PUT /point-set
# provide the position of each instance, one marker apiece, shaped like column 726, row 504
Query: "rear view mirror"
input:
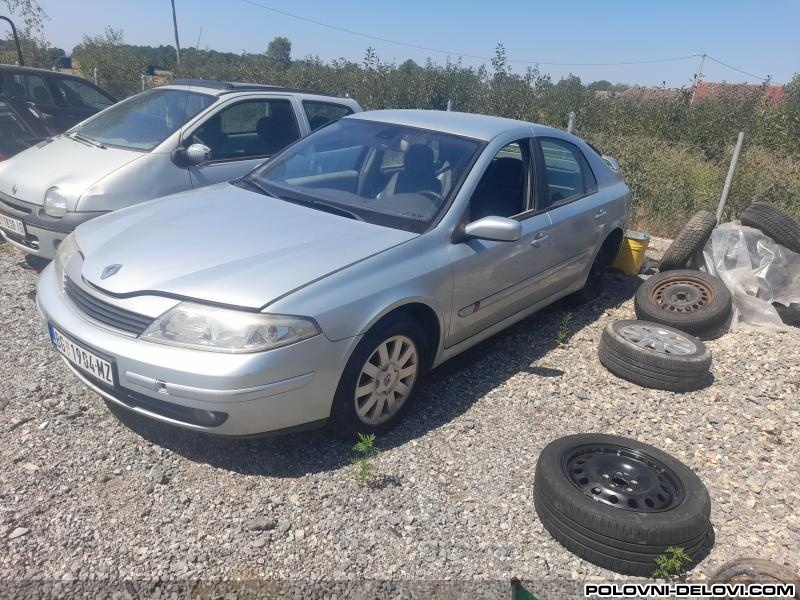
column 498, row 229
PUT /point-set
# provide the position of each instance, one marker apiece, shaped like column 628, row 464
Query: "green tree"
column 119, row 66
column 279, row 52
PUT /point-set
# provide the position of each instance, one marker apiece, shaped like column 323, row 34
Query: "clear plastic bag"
column 757, row 271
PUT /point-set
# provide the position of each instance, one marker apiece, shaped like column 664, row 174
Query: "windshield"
column 143, row 121
column 386, row 174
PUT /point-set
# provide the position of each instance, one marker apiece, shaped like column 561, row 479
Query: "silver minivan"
column 185, row 135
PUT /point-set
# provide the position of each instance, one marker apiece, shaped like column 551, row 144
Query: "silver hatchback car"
column 324, row 285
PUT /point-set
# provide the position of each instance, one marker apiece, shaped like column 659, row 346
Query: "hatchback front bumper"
column 251, row 393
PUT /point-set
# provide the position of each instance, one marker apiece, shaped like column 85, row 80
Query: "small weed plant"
column 563, row 329
column 672, row 564
column 366, row 470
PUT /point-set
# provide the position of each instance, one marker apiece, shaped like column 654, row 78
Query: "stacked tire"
column 619, row 503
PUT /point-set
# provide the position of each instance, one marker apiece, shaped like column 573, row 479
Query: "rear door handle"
column 538, row 239
column 600, row 214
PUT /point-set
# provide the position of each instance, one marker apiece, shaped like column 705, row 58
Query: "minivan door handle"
column 600, row 214
column 538, row 239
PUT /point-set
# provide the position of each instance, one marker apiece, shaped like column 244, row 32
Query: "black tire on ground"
column 790, row 315
column 344, row 419
column 655, row 356
column 774, row 222
column 598, row 511
column 692, row 301
column 689, row 242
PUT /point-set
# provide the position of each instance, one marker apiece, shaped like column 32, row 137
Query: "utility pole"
column 697, row 77
column 175, row 27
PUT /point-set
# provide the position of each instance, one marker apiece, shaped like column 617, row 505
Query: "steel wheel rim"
column 623, row 478
column 682, row 295
column 658, row 339
column 386, row 380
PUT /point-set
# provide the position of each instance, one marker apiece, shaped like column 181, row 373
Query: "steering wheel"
column 435, row 197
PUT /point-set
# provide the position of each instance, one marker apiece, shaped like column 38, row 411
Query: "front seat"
column 500, row 192
column 418, row 174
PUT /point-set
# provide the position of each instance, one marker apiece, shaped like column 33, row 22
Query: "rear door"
column 577, row 210
column 241, row 135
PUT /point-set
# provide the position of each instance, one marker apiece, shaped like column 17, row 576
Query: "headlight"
column 223, row 330
column 66, row 250
column 55, row 203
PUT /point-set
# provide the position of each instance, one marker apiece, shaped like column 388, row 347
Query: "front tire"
column 381, row 378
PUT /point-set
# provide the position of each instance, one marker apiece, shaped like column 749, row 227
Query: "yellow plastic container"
column 632, row 252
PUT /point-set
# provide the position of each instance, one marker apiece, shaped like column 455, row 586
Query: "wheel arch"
column 422, row 312
column 611, row 245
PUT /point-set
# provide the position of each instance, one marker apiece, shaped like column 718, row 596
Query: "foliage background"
column 674, row 154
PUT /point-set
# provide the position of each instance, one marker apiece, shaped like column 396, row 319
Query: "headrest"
column 506, row 172
column 418, row 158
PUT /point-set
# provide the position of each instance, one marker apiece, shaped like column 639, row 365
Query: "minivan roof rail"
column 236, row 86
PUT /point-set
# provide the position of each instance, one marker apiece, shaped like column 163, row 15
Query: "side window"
column 30, row 88
column 80, row 95
column 568, row 173
column 322, row 113
column 248, row 129
column 502, row 191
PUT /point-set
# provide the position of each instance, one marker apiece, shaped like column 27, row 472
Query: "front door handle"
column 600, row 214
column 538, row 239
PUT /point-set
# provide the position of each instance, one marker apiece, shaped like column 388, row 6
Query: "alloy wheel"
column 386, row 380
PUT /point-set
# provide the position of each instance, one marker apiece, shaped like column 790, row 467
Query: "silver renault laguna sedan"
column 324, row 285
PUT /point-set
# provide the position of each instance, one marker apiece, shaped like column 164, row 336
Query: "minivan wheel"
column 381, row 378
column 619, row 503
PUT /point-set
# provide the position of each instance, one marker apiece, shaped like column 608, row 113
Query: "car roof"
column 37, row 71
column 480, row 127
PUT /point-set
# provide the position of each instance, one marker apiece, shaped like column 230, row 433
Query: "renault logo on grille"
column 109, row 271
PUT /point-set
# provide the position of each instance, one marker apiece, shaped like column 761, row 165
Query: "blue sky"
column 758, row 37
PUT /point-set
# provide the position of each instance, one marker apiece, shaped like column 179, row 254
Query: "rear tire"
column 689, row 242
column 654, row 356
column 692, row 301
column 367, row 369
column 775, row 223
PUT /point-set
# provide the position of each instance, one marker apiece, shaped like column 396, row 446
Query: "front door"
column 241, row 136
column 494, row 280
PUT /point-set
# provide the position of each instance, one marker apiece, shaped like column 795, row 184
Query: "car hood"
column 226, row 245
column 61, row 161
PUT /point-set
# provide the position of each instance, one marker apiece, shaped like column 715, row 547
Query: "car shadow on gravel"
column 450, row 391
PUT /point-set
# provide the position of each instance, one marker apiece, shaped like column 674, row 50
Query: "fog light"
column 209, row 418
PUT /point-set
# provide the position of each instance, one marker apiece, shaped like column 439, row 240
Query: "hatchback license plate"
column 13, row 225
column 82, row 358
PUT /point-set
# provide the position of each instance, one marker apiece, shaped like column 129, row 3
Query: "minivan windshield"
column 382, row 173
column 143, row 121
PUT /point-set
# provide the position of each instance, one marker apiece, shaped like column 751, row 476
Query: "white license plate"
column 12, row 225
column 82, row 358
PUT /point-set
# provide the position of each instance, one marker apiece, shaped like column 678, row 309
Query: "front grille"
column 106, row 313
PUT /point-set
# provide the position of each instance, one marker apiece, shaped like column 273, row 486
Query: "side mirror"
column 498, row 229
column 198, row 154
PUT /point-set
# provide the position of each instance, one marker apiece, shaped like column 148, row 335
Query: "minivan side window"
column 79, row 95
column 568, row 174
column 248, row 129
column 322, row 113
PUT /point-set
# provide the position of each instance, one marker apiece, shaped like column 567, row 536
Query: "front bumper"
column 44, row 233
column 280, row 389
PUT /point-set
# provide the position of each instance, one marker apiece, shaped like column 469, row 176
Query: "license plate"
column 82, row 358
column 12, row 225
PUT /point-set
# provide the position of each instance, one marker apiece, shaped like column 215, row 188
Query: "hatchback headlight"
column 55, row 203
column 66, row 250
column 224, row 330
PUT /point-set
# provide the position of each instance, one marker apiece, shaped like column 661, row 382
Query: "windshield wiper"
column 316, row 204
column 85, row 138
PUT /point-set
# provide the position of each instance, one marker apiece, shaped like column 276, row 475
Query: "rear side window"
column 11, row 126
column 29, row 88
column 568, row 174
column 322, row 113
column 79, row 95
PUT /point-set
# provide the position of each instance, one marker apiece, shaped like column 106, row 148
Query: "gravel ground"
column 91, row 500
